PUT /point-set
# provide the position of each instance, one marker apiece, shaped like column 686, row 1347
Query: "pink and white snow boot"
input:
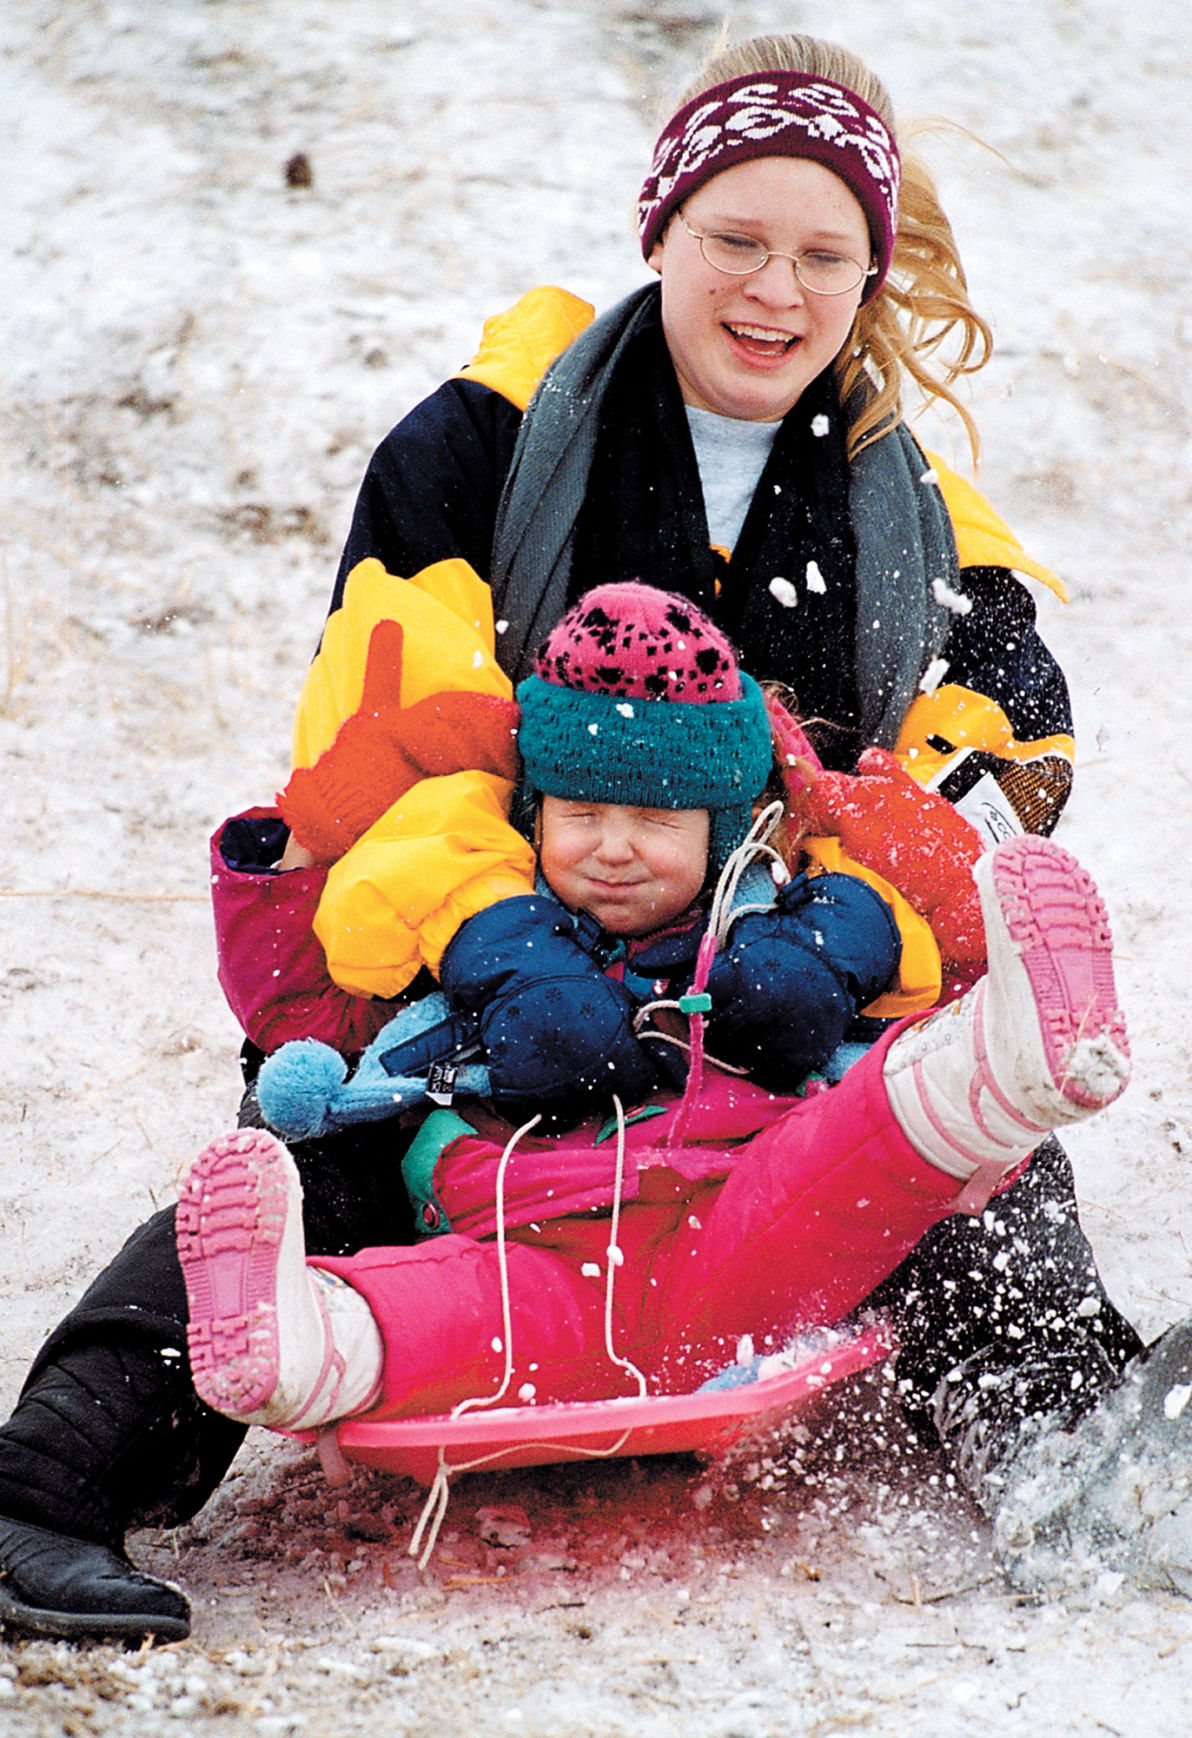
column 272, row 1341
column 1038, row 1043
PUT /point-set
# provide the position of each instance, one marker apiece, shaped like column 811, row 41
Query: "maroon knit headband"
column 777, row 114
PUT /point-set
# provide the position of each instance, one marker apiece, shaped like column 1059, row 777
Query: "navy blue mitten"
column 788, row 982
column 557, row 1034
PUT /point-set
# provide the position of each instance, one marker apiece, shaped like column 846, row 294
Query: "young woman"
column 734, row 431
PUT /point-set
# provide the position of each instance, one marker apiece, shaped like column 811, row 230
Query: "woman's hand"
column 916, row 839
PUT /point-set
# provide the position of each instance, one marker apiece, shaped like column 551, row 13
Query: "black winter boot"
column 105, row 1437
column 51, row 1584
column 989, row 1410
column 1108, row 1503
column 107, row 1434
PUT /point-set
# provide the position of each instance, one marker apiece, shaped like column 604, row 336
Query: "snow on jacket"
column 424, row 520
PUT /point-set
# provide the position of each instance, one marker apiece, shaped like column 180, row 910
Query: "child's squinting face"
column 633, row 869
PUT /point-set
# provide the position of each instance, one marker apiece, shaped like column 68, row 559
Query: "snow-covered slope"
column 197, row 360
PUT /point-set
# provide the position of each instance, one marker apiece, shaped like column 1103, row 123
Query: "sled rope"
column 615, row 1258
column 434, row 1509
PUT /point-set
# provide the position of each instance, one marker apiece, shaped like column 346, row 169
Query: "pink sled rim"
column 708, row 1422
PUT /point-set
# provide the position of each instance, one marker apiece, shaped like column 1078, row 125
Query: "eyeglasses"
column 819, row 270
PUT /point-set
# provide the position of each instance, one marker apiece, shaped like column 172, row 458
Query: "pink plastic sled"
column 708, row 1422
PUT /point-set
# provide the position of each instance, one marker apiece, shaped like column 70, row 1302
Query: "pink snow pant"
column 816, row 1210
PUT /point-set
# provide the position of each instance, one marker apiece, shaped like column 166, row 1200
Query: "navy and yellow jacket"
column 418, row 549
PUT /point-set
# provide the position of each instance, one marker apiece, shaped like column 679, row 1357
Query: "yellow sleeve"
column 938, row 726
column 448, row 647
column 919, row 973
column 443, row 852
column 983, row 539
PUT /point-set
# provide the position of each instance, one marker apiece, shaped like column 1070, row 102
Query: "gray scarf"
column 903, row 534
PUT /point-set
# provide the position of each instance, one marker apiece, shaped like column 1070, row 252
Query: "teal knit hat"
column 637, row 699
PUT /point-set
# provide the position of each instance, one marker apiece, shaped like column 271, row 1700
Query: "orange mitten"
column 384, row 748
column 888, row 823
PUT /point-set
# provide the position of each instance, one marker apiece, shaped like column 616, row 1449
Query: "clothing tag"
column 440, row 1082
column 977, row 796
column 988, row 808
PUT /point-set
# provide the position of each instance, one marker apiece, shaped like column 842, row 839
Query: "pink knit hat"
column 631, row 640
column 637, row 698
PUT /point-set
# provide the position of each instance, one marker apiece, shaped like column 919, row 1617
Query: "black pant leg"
column 1020, row 1279
column 108, row 1432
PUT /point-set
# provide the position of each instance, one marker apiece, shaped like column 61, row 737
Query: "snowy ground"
column 197, row 361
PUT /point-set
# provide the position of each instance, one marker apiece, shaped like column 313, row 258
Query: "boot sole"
column 232, row 1214
column 127, row 1626
column 1058, row 927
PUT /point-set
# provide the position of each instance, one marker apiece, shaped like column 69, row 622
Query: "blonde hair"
column 921, row 322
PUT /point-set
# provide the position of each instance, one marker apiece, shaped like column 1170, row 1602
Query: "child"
column 637, row 713
column 736, row 1211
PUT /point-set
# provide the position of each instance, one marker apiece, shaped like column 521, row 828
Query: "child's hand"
column 915, row 838
column 788, row 983
column 557, row 1034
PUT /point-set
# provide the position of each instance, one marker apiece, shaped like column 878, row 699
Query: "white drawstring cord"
column 697, row 1002
column 434, row 1509
column 754, row 846
column 722, row 915
column 437, row 1497
column 657, row 1037
column 615, row 1258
